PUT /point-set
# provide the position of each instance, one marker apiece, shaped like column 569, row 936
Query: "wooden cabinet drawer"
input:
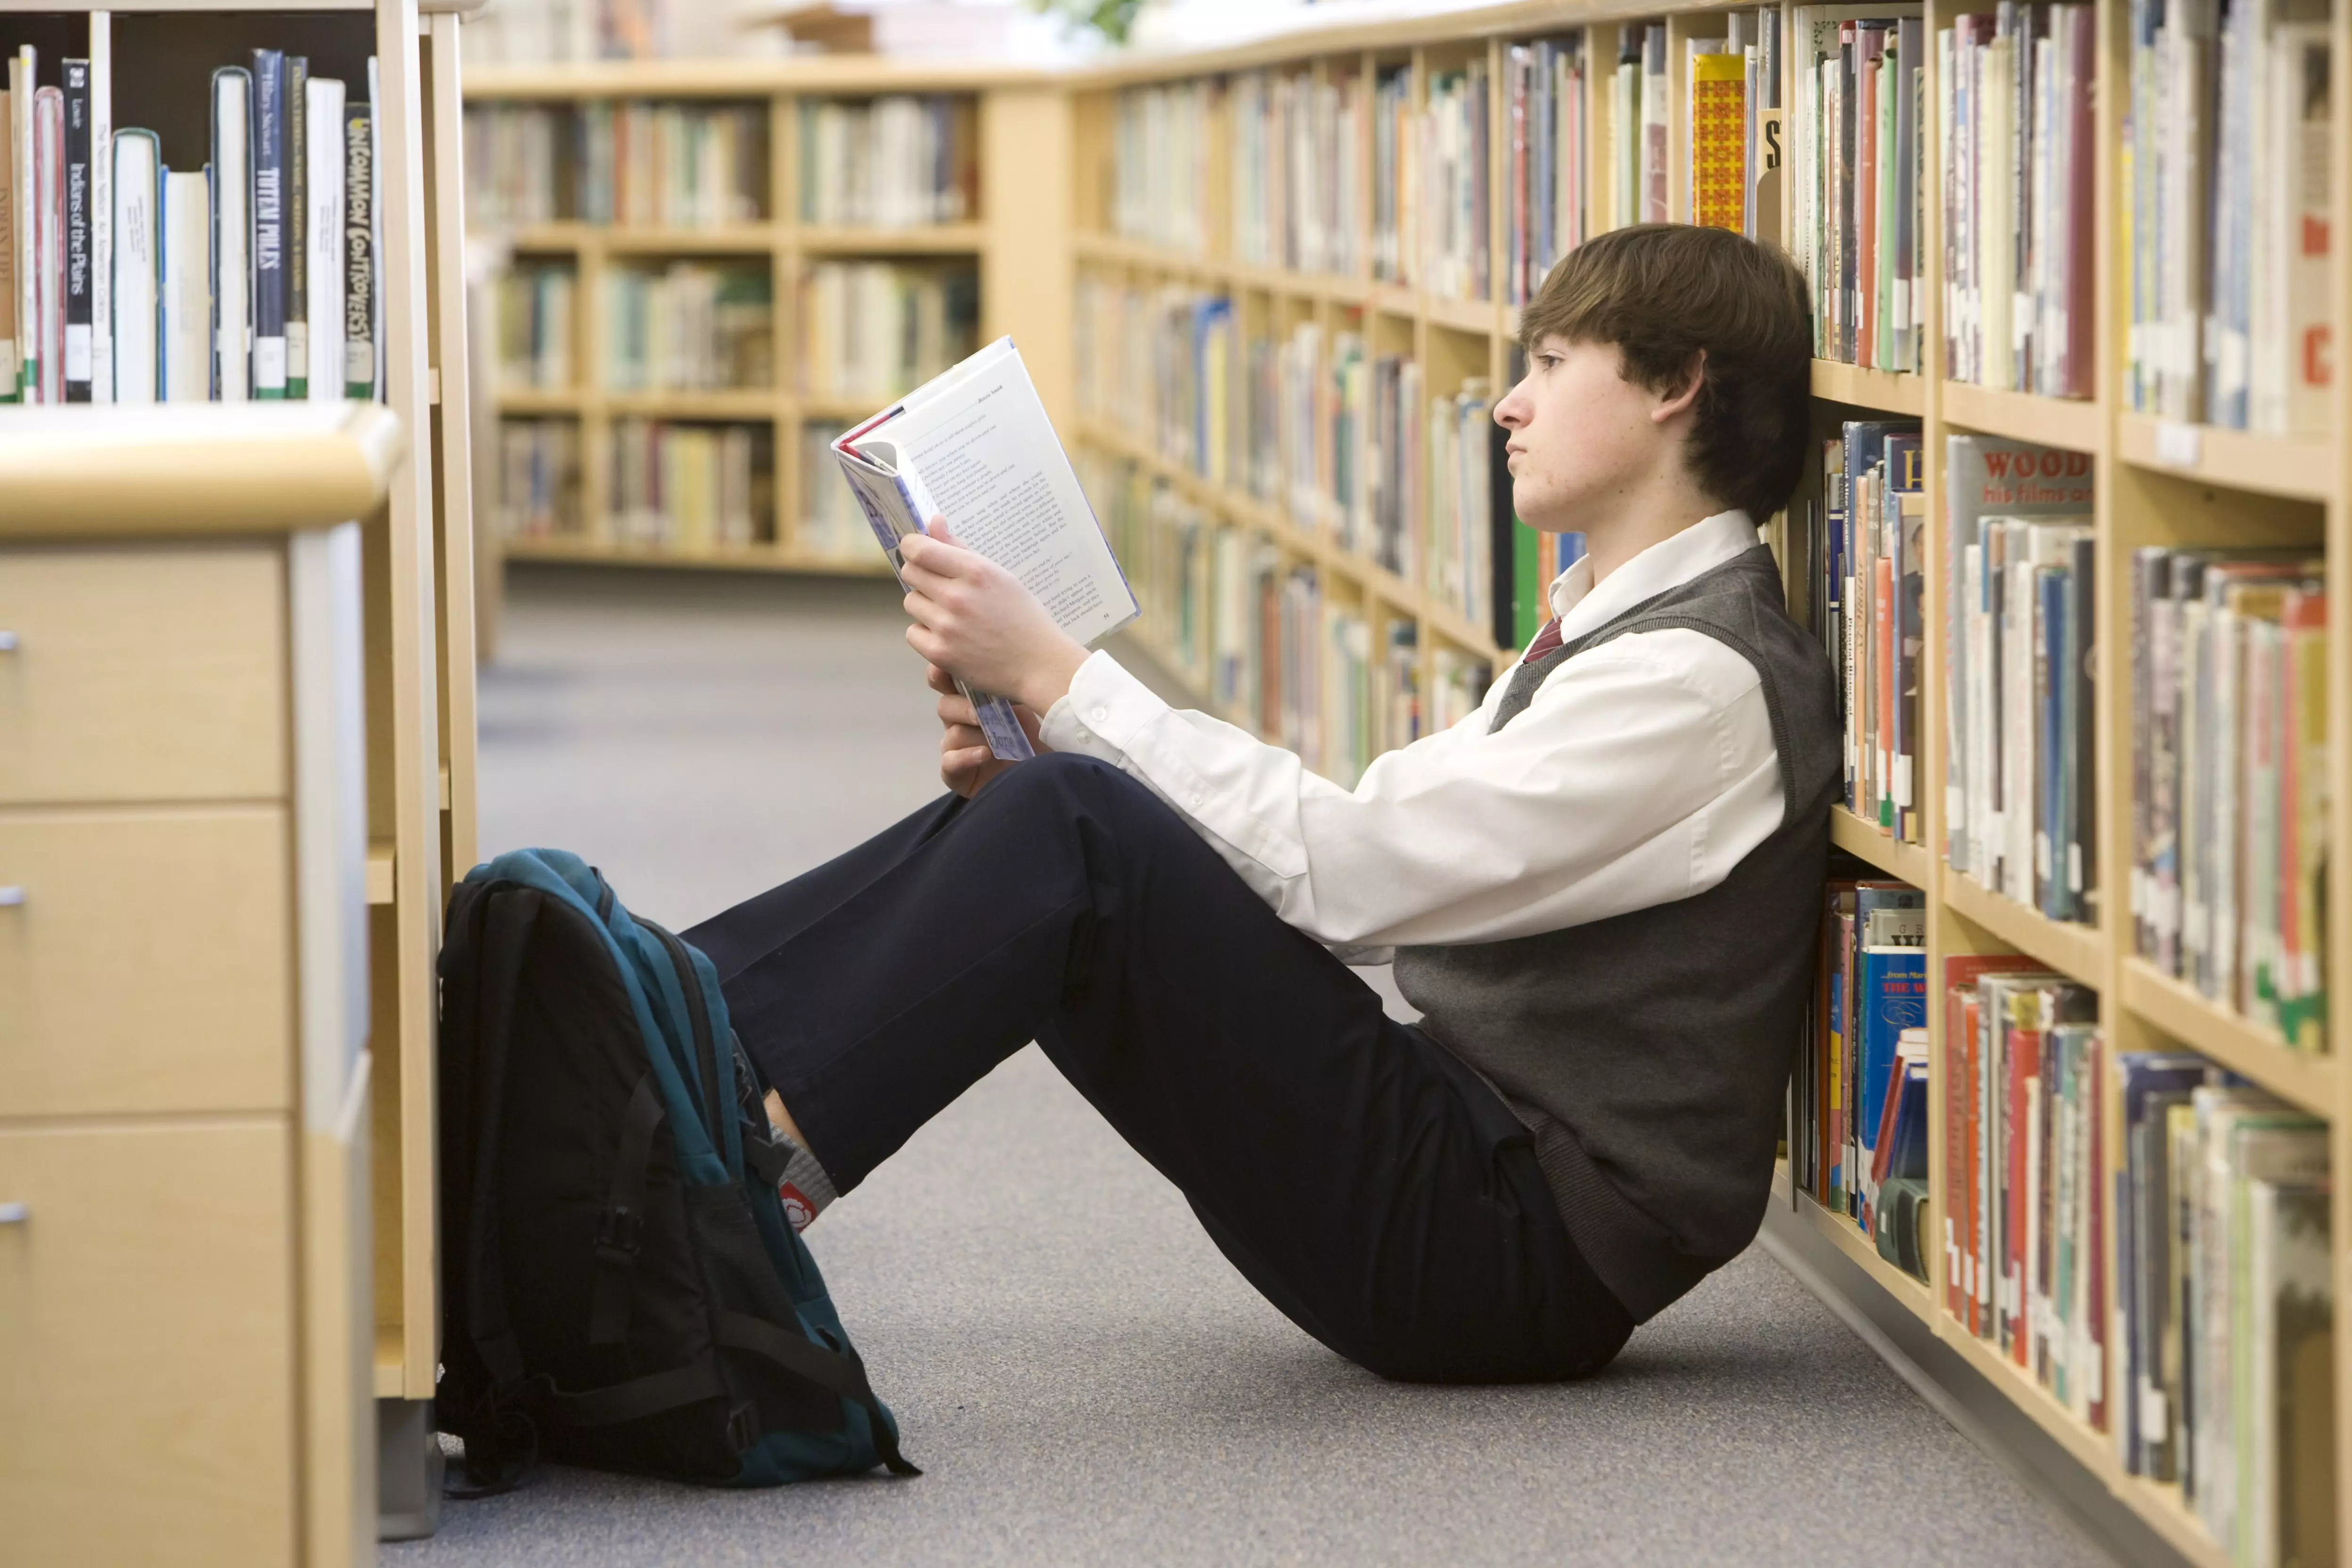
column 147, row 967
column 142, row 674
column 147, row 1346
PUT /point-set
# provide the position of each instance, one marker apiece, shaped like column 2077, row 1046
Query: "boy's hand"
column 973, row 618
column 965, row 761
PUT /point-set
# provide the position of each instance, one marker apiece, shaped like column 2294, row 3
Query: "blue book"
column 2054, row 703
column 1893, row 996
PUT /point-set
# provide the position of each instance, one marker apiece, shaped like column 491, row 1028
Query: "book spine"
column 101, row 206
column 77, row 271
column 22, row 94
column 137, row 250
column 359, row 252
column 11, row 375
column 294, row 114
column 269, row 152
column 49, row 259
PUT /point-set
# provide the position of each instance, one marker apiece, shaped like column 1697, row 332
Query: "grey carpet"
column 1082, row 1377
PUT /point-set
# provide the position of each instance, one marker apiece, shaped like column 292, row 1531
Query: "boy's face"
column 1582, row 437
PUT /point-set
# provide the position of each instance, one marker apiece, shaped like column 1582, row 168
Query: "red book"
column 1968, row 1288
column 2082, row 290
column 2024, row 1052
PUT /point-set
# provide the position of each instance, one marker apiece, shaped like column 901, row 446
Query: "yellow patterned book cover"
column 1719, row 140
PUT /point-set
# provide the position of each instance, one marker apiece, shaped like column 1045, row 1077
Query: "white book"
column 973, row 445
column 323, row 154
column 232, row 279
column 133, row 361
column 185, row 349
column 101, row 207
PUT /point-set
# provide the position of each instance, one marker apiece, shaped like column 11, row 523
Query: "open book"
column 973, row 445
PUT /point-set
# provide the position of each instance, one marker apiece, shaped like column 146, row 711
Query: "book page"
column 978, row 446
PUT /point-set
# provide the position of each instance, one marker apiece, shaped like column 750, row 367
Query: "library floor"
column 1082, row 1377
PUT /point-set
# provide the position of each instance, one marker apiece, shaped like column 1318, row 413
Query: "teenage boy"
column 1599, row 888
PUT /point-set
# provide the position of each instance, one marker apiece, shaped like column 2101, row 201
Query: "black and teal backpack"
column 620, row 1286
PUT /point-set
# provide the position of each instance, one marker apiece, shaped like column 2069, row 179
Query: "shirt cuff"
column 1104, row 710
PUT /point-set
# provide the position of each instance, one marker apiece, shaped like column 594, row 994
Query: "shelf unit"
column 2157, row 484
column 1016, row 243
column 417, row 553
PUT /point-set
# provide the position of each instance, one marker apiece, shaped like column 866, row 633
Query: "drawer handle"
column 8, row 642
column 11, row 896
column 16, row 1213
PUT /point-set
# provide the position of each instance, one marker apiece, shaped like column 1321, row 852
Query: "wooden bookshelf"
column 416, row 565
column 1018, row 241
column 2155, row 485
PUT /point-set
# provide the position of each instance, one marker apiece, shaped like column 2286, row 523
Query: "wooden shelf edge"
column 382, row 855
column 924, row 238
column 2078, row 951
column 2308, row 1081
column 602, row 553
column 1864, row 841
column 1858, row 386
column 1986, row 1397
column 1847, row 1237
column 2300, row 468
column 2077, row 423
column 390, row 1362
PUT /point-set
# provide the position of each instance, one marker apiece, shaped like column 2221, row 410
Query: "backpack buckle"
column 618, row 1230
column 742, row 1428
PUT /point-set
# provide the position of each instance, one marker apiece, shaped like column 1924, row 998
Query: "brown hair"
column 1664, row 293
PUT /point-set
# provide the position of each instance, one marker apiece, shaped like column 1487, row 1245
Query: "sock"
column 804, row 1188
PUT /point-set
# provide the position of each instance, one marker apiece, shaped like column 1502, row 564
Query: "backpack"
column 620, row 1285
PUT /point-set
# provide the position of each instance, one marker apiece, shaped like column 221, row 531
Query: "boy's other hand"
column 973, row 618
column 965, row 761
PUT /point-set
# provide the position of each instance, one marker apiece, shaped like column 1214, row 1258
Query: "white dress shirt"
column 1641, row 772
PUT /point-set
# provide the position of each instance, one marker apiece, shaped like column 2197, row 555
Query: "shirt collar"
column 1668, row 564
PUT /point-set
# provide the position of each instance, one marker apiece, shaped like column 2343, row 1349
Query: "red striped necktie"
column 1546, row 640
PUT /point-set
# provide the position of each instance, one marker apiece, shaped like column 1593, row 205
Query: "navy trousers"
column 1357, row 1173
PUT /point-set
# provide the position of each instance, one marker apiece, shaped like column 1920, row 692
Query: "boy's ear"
column 1688, row 396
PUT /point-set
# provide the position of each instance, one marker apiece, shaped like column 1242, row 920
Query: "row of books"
column 535, row 324
column 2227, row 235
column 2230, row 786
column 1546, row 101
column 253, row 276
column 2024, row 1234
column 689, row 488
column 1865, row 1033
column 2014, row 119
column 1861, row 180
column 1227, row 611
column 1296, row 153
column 1160, row 161
column 2019, row 673
column 877, row 329
column 687, row 166
column 691, row 327
column 2224, row 1271
column 1457, row 188
column 1349, row 444
column 1872, row 512
column 893, row 161
column 539, row 477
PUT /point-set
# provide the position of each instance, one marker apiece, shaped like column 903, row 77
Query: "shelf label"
column 2177, row 446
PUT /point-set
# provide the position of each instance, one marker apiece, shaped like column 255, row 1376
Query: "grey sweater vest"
column 1647, row 1053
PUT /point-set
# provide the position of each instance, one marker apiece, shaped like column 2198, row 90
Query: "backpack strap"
column 623, row 1223
column 640, row 1396
column 506, row 937
column 837, row 1372
column 500, row 1443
